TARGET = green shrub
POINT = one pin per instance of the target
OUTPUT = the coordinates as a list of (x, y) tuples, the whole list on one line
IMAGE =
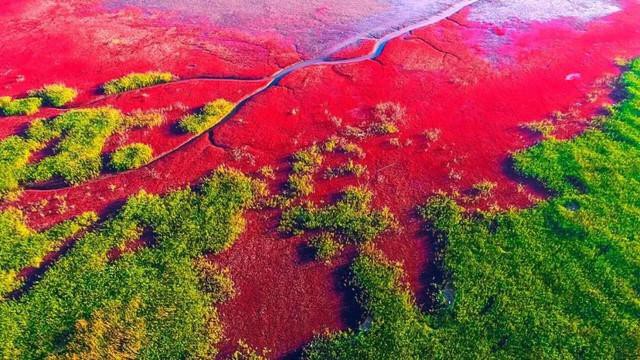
[(395, 328), (21, 247), (307, 161), (178, 319), (112, 332), (325, 247), (210, 115), (15, 107), (214, 280), (484, 188), (56, 95), (131, 156), (135, 81), (351, 218), (543, 127), (349, 168)]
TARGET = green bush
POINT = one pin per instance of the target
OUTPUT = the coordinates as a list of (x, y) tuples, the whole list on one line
[(307, 161), (56, 95), (351, 219), (246, 352), (135, 81), (178, 319), (325, 247), (210, 115), (15, 107), (215, 280), (77, 157), (349, 168), (21, 247), (394, 327), (131, 156), (115, 331)]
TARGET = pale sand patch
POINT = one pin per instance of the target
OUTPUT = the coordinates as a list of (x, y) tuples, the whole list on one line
[(501, 11)]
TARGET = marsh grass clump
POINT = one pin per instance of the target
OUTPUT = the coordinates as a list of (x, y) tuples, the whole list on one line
[(16, 107), (299, 185), (484, 188), (141, 119), (82, 135), (246, 352), (349, 168), (325, 247), (175, 319), (215, 280), (387, 117), (432, 135), (210, 115), (307, 161), (22, 247), (56, 95), (135, 81), (115, 331), (131, 156), (351, 219), (543, 127), (77, 138), (395, 327)]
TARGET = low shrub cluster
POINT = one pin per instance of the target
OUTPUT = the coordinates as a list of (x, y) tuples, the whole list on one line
[(214, 280), (151, 299), (559, 280), (15, 107), (325, 247), (351, 219), (394, 328), (131, 156), (77, 155), (135, 81), (22, 247), (210, 115), (542, 127), (304, 164), (56, 95), (346, 169), (114, 331)]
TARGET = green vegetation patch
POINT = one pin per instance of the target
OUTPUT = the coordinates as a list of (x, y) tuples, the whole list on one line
[(210, 115), (394, 327), (131, 156), (15, 107), (325, 247), (559, 280), (56, 95), (151, 298), (135, 81), (351, 219), (77, 138), (21, 247)]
